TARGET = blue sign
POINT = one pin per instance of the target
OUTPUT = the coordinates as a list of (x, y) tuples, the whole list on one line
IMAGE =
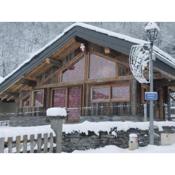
[(151, 96)]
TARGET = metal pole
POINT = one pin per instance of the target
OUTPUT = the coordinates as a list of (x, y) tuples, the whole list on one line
[(151, 127)]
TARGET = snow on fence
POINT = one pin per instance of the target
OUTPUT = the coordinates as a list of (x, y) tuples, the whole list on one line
[(42, 143)]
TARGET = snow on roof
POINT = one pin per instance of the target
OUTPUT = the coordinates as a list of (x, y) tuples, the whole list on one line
[(56, 111), (97, 29)]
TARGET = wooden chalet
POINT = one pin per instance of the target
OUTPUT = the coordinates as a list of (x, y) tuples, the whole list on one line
[(86, 70)]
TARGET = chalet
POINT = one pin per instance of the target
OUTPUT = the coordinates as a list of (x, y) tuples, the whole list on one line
[(86, 70)]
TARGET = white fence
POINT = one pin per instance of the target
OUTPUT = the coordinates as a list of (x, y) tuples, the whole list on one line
[(41, 143)]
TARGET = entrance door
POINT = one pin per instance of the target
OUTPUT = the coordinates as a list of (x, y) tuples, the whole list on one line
[(74, 104)]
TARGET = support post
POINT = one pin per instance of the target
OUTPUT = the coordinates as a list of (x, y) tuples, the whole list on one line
[(134, 97), (145, 112), (169, 106), (57, 126), (151, 109)]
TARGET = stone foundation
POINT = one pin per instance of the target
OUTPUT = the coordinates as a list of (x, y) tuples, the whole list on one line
[(81, 141)]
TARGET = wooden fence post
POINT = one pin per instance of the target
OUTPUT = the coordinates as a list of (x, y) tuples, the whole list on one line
[(51, 143), (10, 141), (32, 144), (18, 144), (25, 144), (45, 142), (2, 145), (39, 143)]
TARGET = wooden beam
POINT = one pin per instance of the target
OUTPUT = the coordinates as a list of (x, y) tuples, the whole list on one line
[(28, 82), (70, 46), (4, 97), (10, 98), (53, 62), (107, 50)]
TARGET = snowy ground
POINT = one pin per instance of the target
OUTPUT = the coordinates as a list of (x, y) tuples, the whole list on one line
[(146, 149), (81, 127)]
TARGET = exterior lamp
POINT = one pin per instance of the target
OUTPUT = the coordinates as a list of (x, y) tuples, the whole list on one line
[(152, 31)]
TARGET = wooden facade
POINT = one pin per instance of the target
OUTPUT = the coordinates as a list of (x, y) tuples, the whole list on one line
[(91, 82)]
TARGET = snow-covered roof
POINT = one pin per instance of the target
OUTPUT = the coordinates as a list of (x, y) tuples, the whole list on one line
[(161, 53)]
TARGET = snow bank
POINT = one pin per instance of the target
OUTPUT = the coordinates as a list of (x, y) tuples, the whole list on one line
[(146, 149), (81, 127), (107, 125), (56, 111)]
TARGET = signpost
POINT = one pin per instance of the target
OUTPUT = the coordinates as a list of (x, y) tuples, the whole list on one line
[(151, 96), (141, 65)]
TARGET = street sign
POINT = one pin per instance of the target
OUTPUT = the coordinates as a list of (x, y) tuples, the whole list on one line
[(151, 96)]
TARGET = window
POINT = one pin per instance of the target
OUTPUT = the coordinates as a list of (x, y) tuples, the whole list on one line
[(75, 72), (26, 102), (59, 97), (100, 93), (123, 70), (101, 67), (121, 93), (39, 98), (117, 93)]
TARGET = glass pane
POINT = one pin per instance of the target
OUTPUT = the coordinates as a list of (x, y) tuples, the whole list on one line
[(74, 97), (59, 97), (74, 72), (39, 98), (26, 102), (101, 67), (100, 93), (121, 93), (123, 70), (74, 103)]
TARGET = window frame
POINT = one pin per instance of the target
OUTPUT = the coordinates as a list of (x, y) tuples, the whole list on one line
[(69, 64), (52, 95), (110, 86), (100, 100), (117, 99), (43, 98), (104, 57)]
